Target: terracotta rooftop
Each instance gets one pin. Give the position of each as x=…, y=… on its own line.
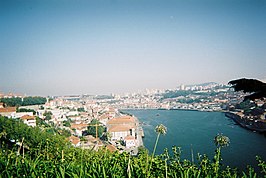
x=129, y=137
x=120, y=128
x=103, y=116
x=8, y=109
x=122, y=120
x=111, y=148
x=27, y=117
x=74, y=140
x=75, y=126
x=111, y=109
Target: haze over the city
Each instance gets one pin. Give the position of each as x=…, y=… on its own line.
x=57, y=47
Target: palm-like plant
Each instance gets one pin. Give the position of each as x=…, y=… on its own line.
x=220, y=141
x=159, y=129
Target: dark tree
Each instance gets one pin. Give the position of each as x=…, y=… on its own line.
x=95, y=124
x=253, y=86
x=81, y=110
x=48, y=115
x=26, y=101
x=26, y=110
x=66, y=123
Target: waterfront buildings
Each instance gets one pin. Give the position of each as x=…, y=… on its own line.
x=124, y=129
x=8, y=111
x=74, y=113
x=29, y=120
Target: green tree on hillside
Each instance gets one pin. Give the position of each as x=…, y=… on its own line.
x=48, y=115
x=66, y=123
x=26, y=101
x=92, y=128
x=34, y=137
x=81, y=110
x=26, y=110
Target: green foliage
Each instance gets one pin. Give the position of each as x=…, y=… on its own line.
x=190, y=100
x=100, y=97
x=41, y=123
x=48, y=115
x=33, y=101
x=48, y=155
x=106, y=136
x=64, y=132
x=221, y=140
x=245, y=105
x=81, y=110
x=26, y=110
x=66, y=123
x=11, y=101
x=92, y=128
x=35, y=139
x=177, y=93
x=26, y=101
x=75, y=162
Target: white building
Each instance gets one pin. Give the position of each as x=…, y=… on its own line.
x=8, y=111
x=20, y=114
x=29, y=120
x=130, y=141
x=120, y=132
x=123, y=128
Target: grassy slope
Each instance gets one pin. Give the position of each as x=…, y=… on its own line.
x=49, y=155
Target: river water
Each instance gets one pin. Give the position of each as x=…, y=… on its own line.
x=193, y=130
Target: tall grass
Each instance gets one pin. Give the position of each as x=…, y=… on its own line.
x=85, y=163
x=50, y=158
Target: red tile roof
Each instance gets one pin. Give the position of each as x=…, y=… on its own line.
x=122, y=120
x=27, y=117
x=8, y=109
x=111, y=148
x=120, y=128
x=76, y=126
x=129, y=137
x=74, y=140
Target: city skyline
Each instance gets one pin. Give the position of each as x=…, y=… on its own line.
x=102, y=47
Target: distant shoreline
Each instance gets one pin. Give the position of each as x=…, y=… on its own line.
x=120, y=110
x=249, y=125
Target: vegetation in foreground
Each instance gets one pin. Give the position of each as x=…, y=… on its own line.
x=33, y=152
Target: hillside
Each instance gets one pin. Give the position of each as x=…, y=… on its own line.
x=33, y=152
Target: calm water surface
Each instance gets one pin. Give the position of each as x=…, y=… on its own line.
x=193, y=130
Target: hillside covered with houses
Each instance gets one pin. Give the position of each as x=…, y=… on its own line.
x=89, y=125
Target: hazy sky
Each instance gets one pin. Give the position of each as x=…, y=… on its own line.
x=58, y=47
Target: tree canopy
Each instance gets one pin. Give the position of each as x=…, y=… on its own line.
x=253, y=86
x=92, y=128
x=26, y=101
x=34, y=138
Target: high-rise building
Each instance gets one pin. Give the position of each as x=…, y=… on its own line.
x=182, y=87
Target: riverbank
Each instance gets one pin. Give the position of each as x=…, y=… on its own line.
x=196, y=130
x=133, y=140
x=250, y=124
x=122, y=111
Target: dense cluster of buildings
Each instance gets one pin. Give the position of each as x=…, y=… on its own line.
x=207, y=97
x=124, y=131
x=75, y=113
x=250, y=114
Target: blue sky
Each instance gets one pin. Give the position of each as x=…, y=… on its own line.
x=58, y=47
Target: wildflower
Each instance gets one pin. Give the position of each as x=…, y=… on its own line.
x=161, y=129
x=221, y=140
